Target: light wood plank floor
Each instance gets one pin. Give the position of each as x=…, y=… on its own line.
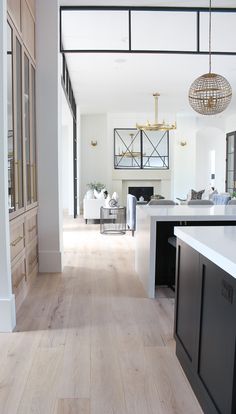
x=88, y=341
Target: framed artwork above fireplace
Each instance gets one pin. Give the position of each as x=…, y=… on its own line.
x=135, y=149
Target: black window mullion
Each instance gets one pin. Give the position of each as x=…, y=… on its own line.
x=141, y=149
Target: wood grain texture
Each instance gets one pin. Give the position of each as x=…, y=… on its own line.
x=73, y=406
x=88, y=341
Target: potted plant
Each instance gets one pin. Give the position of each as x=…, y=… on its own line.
x=94, y=190
x=96, y=186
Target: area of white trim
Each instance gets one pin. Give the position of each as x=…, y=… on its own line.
x=8, y=314
x=50, y=262
x=217, y=244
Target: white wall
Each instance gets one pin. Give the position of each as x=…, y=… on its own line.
x=210, y=140
x=230, y=123
x=94, y=160
x=183, y=171
x=49, y=144
x=7, y=299
x=67, y=157
x=191, y=164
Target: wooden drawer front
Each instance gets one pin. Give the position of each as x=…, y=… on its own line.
x=18, y=275
x=17, y=239
x=32, y=258
x=31, y=228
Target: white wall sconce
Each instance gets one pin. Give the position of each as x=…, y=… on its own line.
x=93, y=143
x=183, y=143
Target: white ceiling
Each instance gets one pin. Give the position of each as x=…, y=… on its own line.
x=125, y=82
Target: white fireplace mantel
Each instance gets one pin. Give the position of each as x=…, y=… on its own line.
x=159, y=179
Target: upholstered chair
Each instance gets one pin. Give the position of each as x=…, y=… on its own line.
x=200, y=203
x=131, y=213
x=161, y=202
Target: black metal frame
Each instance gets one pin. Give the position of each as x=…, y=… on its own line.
x=116, y=165
x=164, y=158
x=67, y=87
x=227, y=188
x=130, y=9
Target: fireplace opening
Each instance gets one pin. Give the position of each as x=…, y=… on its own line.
x=141, y=193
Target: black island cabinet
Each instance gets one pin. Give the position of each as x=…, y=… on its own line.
x=205, y=329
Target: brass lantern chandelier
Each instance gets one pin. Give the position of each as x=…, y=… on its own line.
x=210, y=94
x=156, y=126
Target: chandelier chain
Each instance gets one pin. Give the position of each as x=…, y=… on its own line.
x=210, y=93
x=210, y=36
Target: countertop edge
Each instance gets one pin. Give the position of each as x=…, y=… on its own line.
x=216, y=257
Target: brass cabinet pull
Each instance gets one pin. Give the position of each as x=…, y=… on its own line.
x=34, y=182
x=17, y=163
x=32, y=228
x=16, y=241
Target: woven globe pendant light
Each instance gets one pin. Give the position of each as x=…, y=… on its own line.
x=210, y=94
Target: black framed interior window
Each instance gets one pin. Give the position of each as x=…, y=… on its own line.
x=230, y=183
x=135, y=149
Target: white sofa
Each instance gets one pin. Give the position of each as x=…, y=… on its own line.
x=92, y=208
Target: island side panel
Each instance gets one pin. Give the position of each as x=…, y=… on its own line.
x=145, y=251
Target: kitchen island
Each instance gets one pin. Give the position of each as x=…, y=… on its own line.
x=155, y=224
x=205, y=314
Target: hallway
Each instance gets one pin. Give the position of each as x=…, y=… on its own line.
x=87, y=341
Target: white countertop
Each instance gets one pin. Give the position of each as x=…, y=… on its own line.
x=217, y=244
x=185, y=212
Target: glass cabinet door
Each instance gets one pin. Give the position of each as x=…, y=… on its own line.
x=33, y=137
x=11, y=160
x=230, y=162
x=22, y=190
x=18, y=128
x=27, y=128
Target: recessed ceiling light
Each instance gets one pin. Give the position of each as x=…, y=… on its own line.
x=120, y=60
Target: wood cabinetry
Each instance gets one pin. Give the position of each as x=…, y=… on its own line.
x=28, y=26
x=19, y=281
x=24, y=253
x=14, y=9
x=17, y=237
x=31, y=229
x=22, y=174
x=31, y=226
x=22, y=14
x=205, y=330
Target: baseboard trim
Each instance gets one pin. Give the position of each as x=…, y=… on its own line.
x=7, y=314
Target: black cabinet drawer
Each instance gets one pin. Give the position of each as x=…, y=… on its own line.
x=187, y=300
x=217, y=336
x=205, y=329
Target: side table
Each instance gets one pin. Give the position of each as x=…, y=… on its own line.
x=112, y=220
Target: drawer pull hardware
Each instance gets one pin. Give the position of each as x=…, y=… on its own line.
x=32, y=228
x=16, y=241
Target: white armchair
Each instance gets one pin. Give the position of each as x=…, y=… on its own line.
x=92, y=208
